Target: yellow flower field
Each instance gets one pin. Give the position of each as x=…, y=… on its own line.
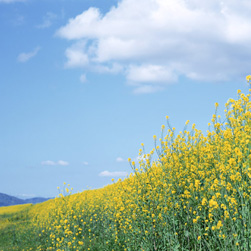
x=13, y=209
x=195, y=196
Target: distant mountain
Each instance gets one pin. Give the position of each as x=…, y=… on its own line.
x=8, y=200
x=36, y=200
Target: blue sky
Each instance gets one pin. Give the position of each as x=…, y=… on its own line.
x=84, y=83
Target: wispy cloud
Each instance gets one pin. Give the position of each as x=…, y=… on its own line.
x=62, y=163
x=26, y=196
x=83, y=78
x=154, y=42
x=85, y=163
x=48, y=163
x=119, y=159
x=113, y=174
x=54, y=163
x=19, y=20
x=26, y=56
x=12, y=1
x=47, y=20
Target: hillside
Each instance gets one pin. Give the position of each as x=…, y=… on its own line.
x=8, y=200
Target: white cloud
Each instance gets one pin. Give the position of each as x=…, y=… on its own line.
x=54, y=163
x=150, y=74
x=24, y=57
x=47, y=20
x=26, y=196
x=156, y=41
x=115, y=68
x=82, y=25
x=85, y=163
x=119, y=159
x=149, y=78
x=112, y=174
x=76, y=56
x=48, y=163
x=62, y=163
x=144, y=89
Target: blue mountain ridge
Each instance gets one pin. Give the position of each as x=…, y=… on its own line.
x=8, y=200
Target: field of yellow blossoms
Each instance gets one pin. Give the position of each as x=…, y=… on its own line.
x=195, y=196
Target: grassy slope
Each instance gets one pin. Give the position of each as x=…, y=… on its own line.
x=12, y=219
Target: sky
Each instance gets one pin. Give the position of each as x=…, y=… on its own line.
x=84, y=82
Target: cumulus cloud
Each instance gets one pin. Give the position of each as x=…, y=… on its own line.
x=54, y=163
x=156, y=41
x=24, y=57
x=150, y=74
x=82, y=25
x=149, y=78
x=76, y=55
x=112, y=174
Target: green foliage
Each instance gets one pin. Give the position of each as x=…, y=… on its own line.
x=14, y=222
